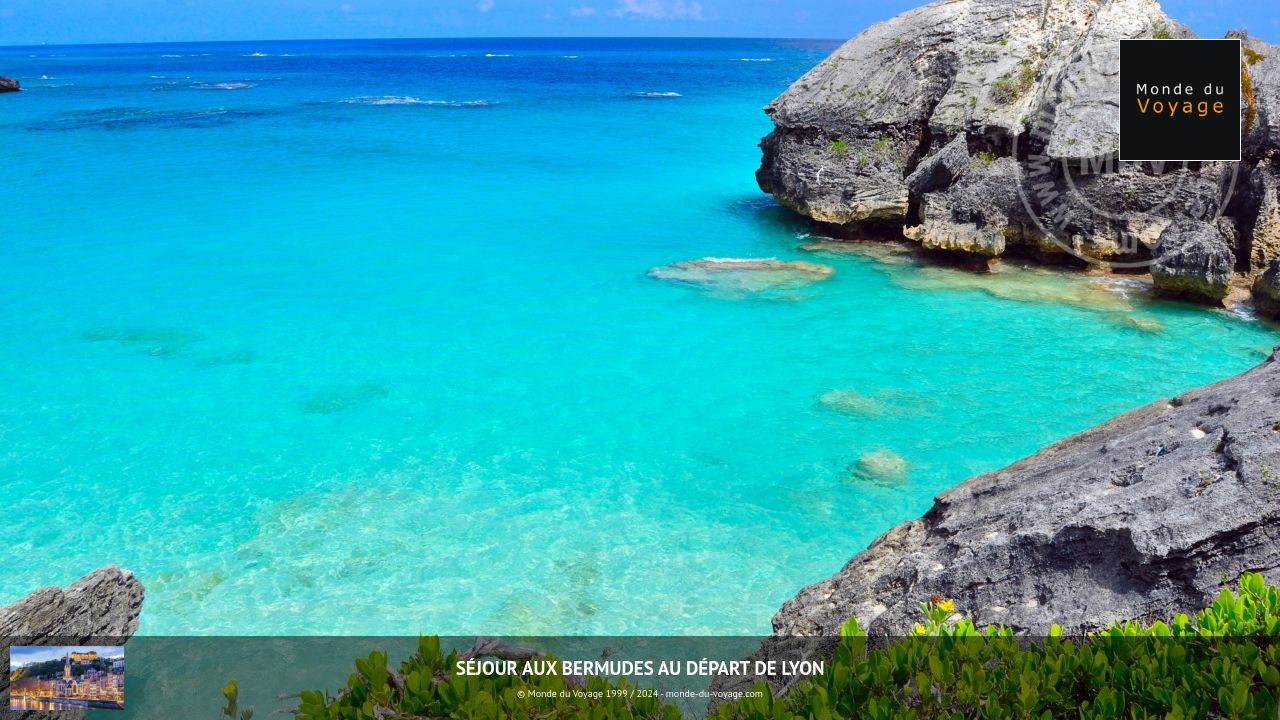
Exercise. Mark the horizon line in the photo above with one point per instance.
(409, 38)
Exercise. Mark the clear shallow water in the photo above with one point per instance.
(316, 343)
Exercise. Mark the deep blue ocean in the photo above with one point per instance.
(358, 337)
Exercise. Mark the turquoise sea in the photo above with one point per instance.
(316, 341)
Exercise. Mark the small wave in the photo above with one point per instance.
(223, 86)
(46, 77)
(731, 260)
(569, 57)
(257, 54)
(755, 59)
(496, 55)
(654, 95)
(409, 100)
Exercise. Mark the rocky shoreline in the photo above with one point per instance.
(8, 84)
(944, 123)
(1144, 516)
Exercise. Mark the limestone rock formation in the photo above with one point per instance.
(1143, 516)
(1266, 290)
(101, 608)
(9, 85)
(1194, 260)
(988, 128)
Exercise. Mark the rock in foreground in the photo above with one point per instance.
(9, 85)
(1143, 516)
(100, 608)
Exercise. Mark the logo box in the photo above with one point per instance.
(1180, 100)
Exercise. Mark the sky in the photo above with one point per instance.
(57, 22)
(20, 656)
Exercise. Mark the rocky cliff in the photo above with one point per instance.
(9, 85)
(946, 124)
(1139, 518)
(101, 608)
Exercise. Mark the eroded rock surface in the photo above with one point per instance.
(1143, 516)
(1266, 290)
(8, 84)
(1194, 260)
(931, 123)
(100, 608)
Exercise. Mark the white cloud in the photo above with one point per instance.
(582, 11)
(659, 9)
(484, 5)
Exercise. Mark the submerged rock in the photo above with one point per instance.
(161, 342)
(1031, 284)
(939, 124)
(1266, 290)
(1143, 516)
(8, 84)
(895, 403)
(882, 467)
(343, 398)
(744, 274)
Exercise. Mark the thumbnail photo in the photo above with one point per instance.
(66, 677)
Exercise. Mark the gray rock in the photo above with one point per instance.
(1141, 517)
(1195, 261)
(1262, 64)
(979, 216)
(880, 134)
(9, 85)
(1266, 291)
(101, 608)
(941, 168)
(1264, 240)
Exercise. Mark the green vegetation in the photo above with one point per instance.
(1161, 31)
(1215, 665)
(1012, 85)
(1223, 663)
(232, 710)
(1253, 57)
(882, 148)
(986, 157)
(839, 147)
(1250, 97)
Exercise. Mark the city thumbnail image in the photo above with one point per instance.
(65, 677)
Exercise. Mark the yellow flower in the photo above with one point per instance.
(946, 605)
